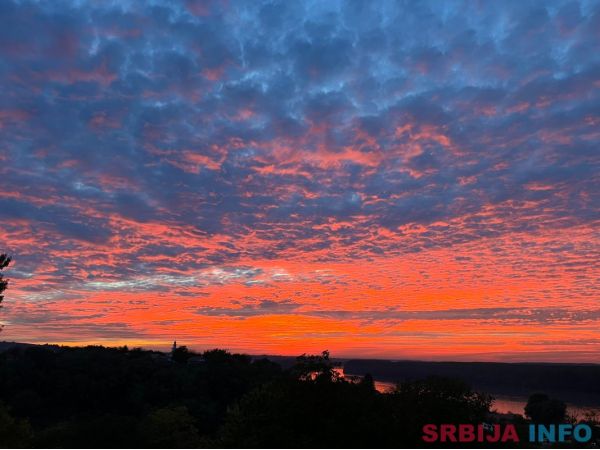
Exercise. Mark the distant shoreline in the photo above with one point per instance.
(573, 383)
(290, 359)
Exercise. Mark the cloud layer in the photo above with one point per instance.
(376, 178)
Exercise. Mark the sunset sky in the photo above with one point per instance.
(381, 179)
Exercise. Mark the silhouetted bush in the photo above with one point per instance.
(542, 409)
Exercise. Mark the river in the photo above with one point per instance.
(502, 403)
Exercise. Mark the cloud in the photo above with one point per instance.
(262, 308)
(143, 146)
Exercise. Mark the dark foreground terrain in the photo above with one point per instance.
(63, 397)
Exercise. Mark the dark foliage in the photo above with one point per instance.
(311, 413)
(181, 354)
(545, 410)
(72, 396)
(61, 397)
(14, 432)
(4, 262)
(315, 367)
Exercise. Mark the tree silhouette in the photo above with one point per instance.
(181, 354)
(315, 367)
(14, 432)
(545, 410)
(169, 427)
(310, 406)
(443, 400)
(4, 262)
(367, 382)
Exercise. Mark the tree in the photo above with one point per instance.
(306, 413)
(4, 262)
(368, 382)
(434, 400)
(443, 400)
(315, 367)
(169, 427)
(545, 410)
(181, 354)
(15, 433)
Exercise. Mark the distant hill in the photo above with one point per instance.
(288, 361)
(5, 345)
(573, 382)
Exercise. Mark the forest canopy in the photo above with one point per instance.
(53, 396)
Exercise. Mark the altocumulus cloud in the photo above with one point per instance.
(170, 146)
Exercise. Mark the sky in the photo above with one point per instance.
(380, 179)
